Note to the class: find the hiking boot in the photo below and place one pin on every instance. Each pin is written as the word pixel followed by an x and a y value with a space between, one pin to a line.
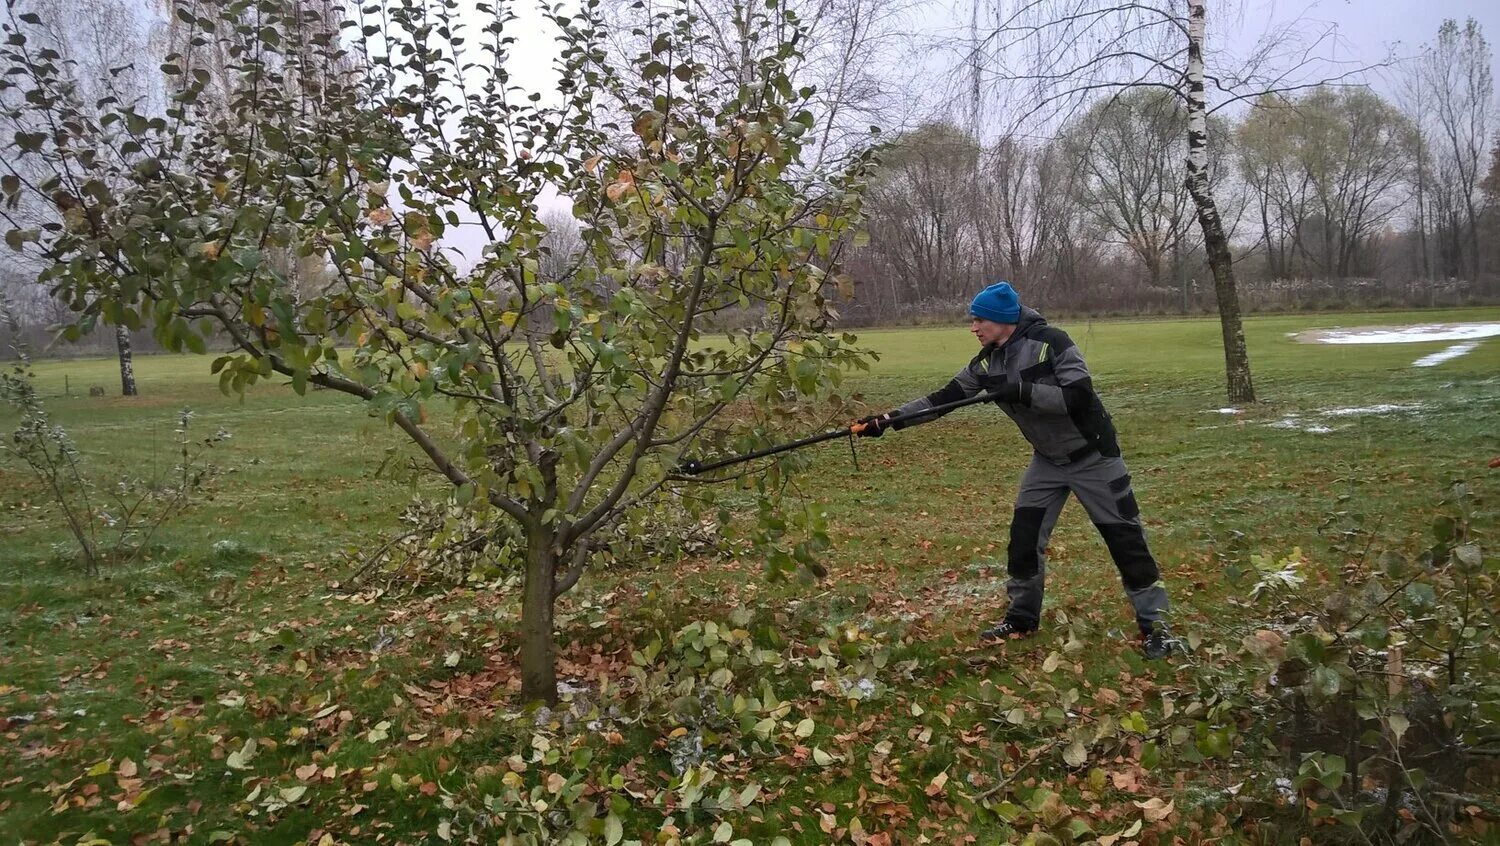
pixel 1157 643
pixel 1007 629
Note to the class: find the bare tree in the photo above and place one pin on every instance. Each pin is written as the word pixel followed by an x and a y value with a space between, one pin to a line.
pixel 1328 167
pixel 1131 179
pixel 1451 99
pixel 562 246
pixel 1050 57
pixel 922 215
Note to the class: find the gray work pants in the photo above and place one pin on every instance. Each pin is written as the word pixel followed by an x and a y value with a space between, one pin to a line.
pixel 1102 484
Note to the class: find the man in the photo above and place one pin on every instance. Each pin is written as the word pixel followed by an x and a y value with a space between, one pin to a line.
pixel 1044 386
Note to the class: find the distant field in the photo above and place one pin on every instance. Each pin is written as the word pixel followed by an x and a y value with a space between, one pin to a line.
pixel 920 530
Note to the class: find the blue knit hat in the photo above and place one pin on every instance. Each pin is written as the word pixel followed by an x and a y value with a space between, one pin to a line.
pixel 998 302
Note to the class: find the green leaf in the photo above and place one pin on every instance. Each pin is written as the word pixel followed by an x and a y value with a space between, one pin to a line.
pixel 614 830
pixel 1421 595
pixel 1326 681
pixel 1444 528
pixel 1076 754
pixel 248 259
pixel 1398 725
pixel 1333 772
pixel 30 142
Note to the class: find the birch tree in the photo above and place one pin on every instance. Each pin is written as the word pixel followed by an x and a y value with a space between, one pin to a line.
pixel 1051 57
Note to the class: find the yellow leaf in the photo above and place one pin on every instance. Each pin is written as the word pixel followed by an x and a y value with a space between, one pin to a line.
pixel 101 768
pixel 937 784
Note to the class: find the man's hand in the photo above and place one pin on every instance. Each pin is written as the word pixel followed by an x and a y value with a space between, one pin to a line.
pixel 1004 390
pixel 873 426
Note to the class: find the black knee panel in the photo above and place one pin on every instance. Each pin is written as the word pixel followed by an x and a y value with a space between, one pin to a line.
pixel 1127 546
pixel 1025 537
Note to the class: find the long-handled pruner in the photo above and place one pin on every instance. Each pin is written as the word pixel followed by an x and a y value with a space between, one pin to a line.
pixel 693 467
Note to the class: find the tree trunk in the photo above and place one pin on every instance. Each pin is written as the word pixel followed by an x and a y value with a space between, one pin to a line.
pixel 538 652
pixel 127 365
pixel 1215 242
pixel 1422 209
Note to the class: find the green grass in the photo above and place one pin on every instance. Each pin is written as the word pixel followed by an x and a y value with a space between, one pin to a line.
pixel 176 662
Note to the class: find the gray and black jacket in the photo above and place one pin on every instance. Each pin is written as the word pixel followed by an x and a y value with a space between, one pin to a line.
pixel 1059 412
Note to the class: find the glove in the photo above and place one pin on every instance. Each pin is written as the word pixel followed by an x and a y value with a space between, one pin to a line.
pixel 1004 390
pixel 873 426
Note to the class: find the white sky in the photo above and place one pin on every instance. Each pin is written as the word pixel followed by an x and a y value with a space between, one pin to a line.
pixel 1368 32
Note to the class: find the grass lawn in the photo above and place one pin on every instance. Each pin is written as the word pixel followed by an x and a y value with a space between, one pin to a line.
pixel 222 690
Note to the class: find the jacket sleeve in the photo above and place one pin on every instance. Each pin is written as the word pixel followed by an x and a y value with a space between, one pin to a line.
pixel 961 386
pixel 1074 389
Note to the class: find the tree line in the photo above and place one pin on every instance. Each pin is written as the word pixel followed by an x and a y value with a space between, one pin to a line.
pixel 1332 196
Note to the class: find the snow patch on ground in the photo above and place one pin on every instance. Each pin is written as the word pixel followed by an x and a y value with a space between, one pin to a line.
pixel 1383 408
pixel 1402 334
pixel 1309 424
pixel 1446 354
pixel 1292 421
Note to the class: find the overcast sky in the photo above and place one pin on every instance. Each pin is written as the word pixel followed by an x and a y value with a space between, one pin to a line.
pixel 1368 32
pixel 1368 27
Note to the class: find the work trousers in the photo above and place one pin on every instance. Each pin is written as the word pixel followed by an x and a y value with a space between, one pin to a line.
pixel 1102 484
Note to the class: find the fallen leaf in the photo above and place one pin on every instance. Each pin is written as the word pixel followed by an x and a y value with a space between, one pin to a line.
pixel 1155 810
pixel 935 786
